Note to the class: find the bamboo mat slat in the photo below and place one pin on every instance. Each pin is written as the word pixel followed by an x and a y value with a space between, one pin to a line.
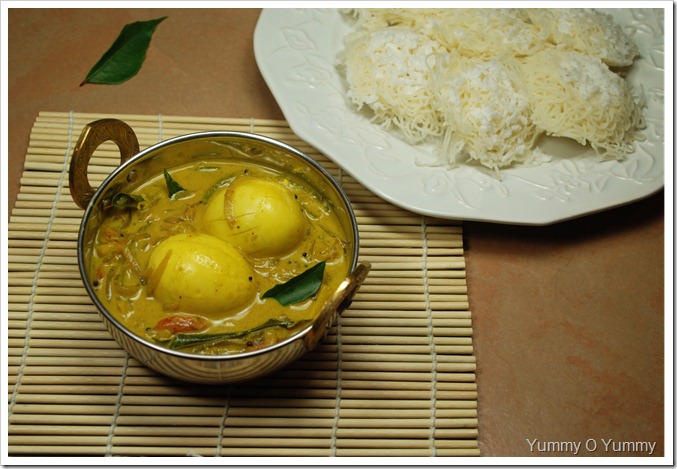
pixel 394 377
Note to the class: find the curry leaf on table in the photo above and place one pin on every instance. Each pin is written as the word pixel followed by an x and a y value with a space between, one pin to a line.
pixel 124 58
pixel 298 288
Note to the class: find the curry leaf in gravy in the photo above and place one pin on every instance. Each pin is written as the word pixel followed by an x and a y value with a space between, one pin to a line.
pixel 125 56
pixel 173 187
pixel 187 340
pixel 122 200
pixel 298 288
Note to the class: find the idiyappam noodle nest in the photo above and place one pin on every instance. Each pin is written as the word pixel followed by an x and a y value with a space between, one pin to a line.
pixel 485 84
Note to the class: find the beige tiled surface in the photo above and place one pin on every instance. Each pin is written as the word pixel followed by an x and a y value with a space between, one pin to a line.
pixel 568 319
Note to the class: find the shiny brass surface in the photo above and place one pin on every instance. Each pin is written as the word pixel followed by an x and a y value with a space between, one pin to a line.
pixel 137 167
pixel 339 302
pixel 91 137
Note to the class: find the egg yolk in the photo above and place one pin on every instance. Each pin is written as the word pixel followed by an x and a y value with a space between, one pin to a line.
pixel 259 216
pixel 201 274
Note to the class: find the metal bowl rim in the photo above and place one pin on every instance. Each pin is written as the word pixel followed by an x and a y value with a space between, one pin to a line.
pixel 180 139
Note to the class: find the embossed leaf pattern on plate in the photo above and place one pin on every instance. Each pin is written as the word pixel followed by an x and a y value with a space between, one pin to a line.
pixel 296 51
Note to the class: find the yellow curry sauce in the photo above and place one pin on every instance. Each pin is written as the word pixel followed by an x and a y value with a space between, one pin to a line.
pixel 199 261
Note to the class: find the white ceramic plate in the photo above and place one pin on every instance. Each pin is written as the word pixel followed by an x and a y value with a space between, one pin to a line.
pixel 296 53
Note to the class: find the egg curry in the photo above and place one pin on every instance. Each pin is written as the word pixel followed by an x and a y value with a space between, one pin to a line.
pixel 218 257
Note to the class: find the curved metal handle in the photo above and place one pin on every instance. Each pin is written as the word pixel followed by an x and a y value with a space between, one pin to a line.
pixel 339 302
pixel 93 135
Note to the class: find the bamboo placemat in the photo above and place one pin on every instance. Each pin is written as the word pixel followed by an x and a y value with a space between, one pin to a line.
pixel 395 376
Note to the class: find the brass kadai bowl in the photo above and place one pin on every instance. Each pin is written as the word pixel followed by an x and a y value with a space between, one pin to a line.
pixel 139 166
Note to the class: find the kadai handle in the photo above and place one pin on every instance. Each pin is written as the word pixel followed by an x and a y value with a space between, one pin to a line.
pixel 338 303
pixel 92 136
